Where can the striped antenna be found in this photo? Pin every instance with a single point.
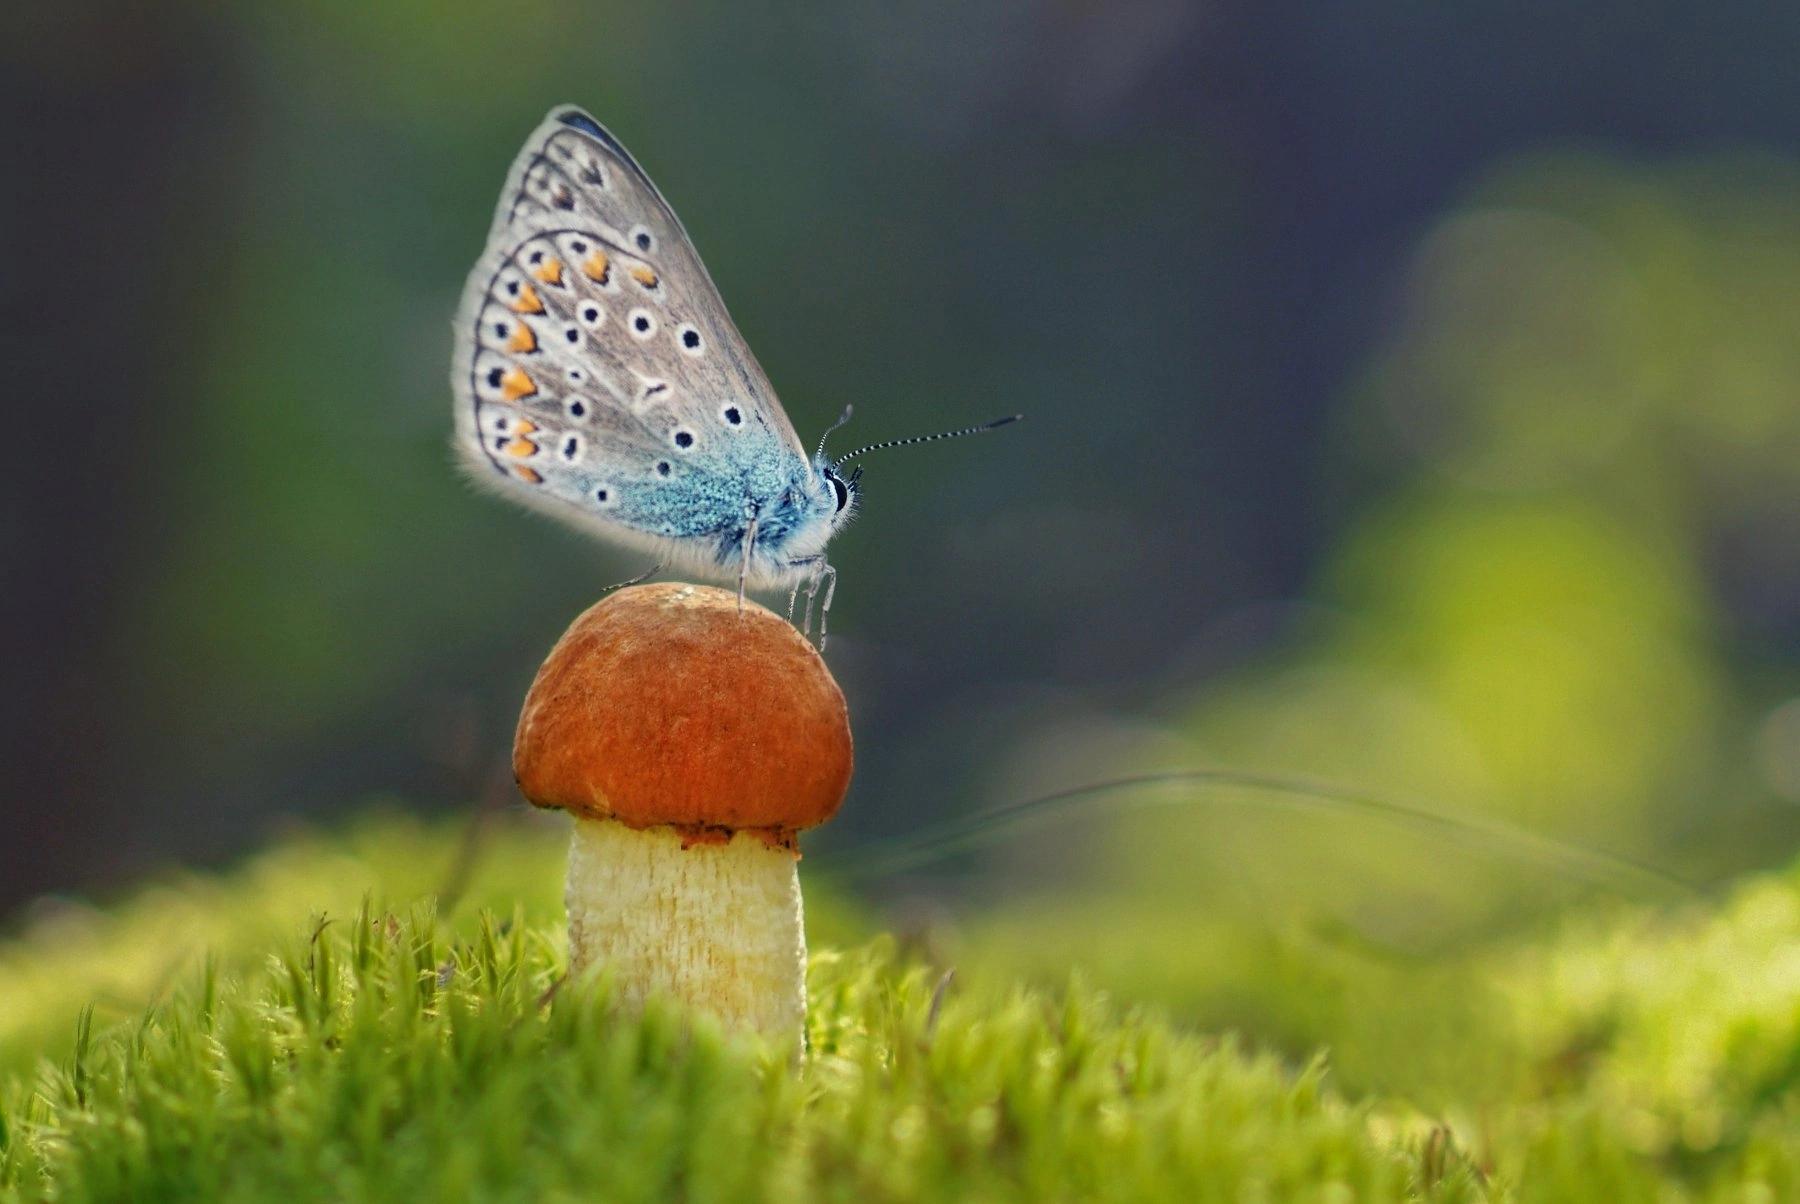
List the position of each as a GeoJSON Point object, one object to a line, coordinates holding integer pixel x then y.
{"type": "Point", "coordinates": [842, 419]}
{"type": "Point", "coordinates": [967, 430]}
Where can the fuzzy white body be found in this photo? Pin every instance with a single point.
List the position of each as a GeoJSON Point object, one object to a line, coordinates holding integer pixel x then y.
{"type": "Point", "coordinates": [718, 927]}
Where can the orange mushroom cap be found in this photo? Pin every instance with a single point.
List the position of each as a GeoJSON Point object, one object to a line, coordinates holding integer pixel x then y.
{"type": "Point", "coordinates": [667, 704]}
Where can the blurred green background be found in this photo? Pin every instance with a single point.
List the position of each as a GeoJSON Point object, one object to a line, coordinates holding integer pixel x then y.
{"type": "Point", "coordinates": [1413, 396]}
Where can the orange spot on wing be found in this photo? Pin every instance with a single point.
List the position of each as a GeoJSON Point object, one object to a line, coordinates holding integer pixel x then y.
{"type": "Point", "coordinates": [644, 276]}
{"type": "Point", "coordinates": [528, 475]}
{"type": "Point", "coordinates": [515, 384]}
{"type": "Point", "coordinates": [550, 272]}
{"type": "Point", "coordinates": [524, 426]}
{"type": "Point", "coordinates": [523, 338]}
{"type": "Point", "coordinates": [597, 267]}
{"type": "Point", "coordinates": [521, 449]}
{"type": "Point", "coordinates": [529, 302]}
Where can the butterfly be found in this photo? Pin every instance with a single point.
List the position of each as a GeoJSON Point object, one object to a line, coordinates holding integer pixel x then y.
{"type": "Point", "coordinates": [598, 377]}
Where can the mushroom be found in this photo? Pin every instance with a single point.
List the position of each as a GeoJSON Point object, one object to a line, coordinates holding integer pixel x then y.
{"type": "Point", "coordinates": [691, 737]}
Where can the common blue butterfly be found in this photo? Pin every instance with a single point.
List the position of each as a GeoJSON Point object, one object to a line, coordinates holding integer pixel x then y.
{"type": "Point", "coordinates": [598, 377]}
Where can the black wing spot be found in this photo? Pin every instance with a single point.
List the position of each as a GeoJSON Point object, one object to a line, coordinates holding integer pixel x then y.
{"type": "Point", "coordinates": [684, 439]}
{"type": "Point", "coordinates": [577, 410]}
{"type": "Point", "coordinates": [601, 495]}
{"type": "Point", "coordinates": [733, 415]}
{"type": "Point", "coordinates": [494, 375]}
{"type": "Point", "coordinates": [572, 334]}
{"type": "Point", "coordinates": [644, 241]}
{"type": "Point", "coordinates": [663, 468]}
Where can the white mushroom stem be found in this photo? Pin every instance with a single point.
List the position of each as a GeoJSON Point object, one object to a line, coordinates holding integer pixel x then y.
{"type": "Point", "coordinates": [716, 926]}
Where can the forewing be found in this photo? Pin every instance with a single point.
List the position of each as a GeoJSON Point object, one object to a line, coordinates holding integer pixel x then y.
{"type": "Point", "coordinates": [592, 347]}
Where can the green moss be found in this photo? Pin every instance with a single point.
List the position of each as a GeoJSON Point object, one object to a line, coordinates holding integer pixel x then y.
{"type": "Point", "coordinates": [202, 1041]}
{"type": "Point", "coordinates": [383, 1057]}
{"type": "Point", "coordinates": [1628, 1054]}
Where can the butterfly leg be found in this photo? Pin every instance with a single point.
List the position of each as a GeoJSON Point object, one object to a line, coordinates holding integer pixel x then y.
{"type": "Point", "coordinates": [826, 576]}
{"type": "Point", "coordinates": [812, 592]}
{"type": "Point", "coordinates": [794, 594]}
{"type": "Point", "coordinates": [829, 575]}
{"type": "Point", "coordinates": [744, 567]}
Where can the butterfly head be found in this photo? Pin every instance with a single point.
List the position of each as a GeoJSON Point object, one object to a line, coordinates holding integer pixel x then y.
{"type": "Point", "coordinates": [843, 493]}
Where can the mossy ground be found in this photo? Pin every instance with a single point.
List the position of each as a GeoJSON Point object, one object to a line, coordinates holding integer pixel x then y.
{"type": "Point", "coordinates": [207, 1040]}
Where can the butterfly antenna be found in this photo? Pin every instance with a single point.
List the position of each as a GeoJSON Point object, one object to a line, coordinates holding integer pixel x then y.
{"type": "Point", "coordinates": [842, 419]}
{"type": "Point", "coordinates": [967, 430]}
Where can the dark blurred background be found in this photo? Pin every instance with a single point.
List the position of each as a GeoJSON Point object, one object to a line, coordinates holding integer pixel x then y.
{"type": "Point", "coordinates": [1413, 395]}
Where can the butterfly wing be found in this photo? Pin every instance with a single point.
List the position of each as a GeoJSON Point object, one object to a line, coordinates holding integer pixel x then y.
{"type": "Point", "coordinates": [597, 372]}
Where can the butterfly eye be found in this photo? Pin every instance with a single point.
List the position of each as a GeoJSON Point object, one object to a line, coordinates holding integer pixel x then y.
{"type": "Point", "coordinates": [840, 489]}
